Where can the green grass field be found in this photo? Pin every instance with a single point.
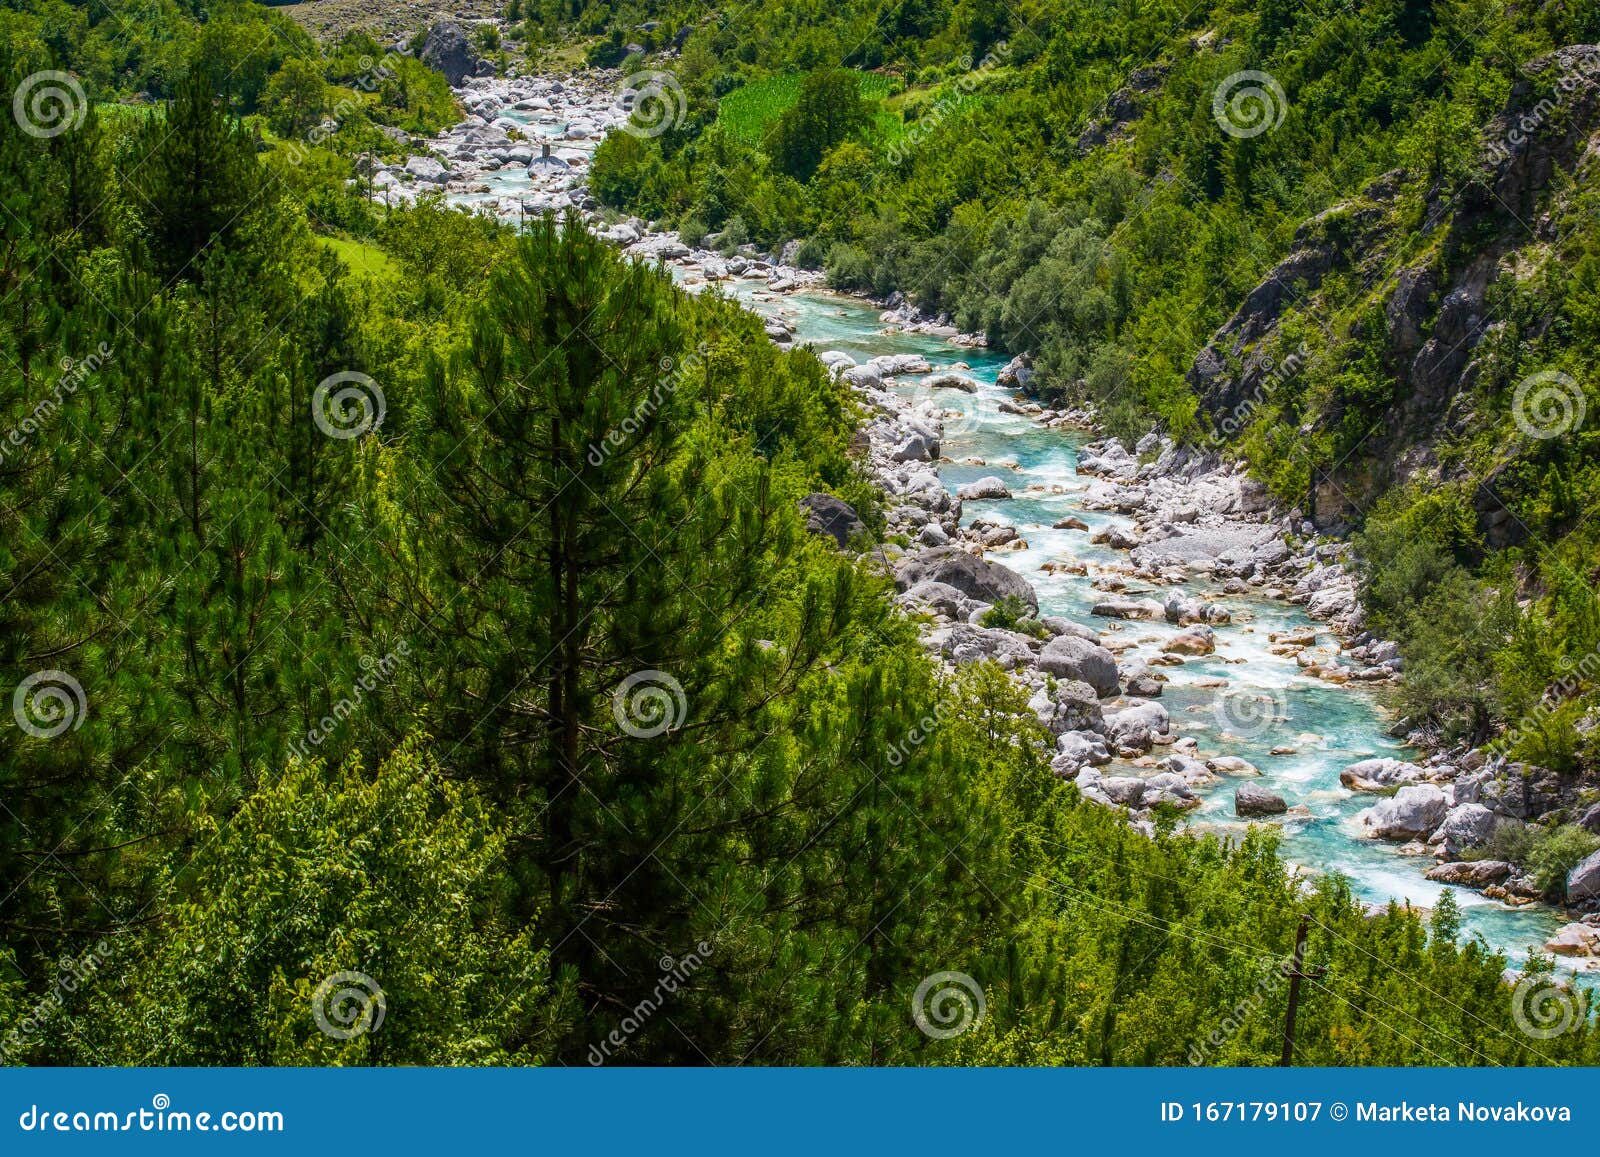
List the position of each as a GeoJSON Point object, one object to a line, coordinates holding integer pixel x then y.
{"type": "Point", "coordinates": [360, 257]}
{"type": "Point", "coordinates": [750, 111]}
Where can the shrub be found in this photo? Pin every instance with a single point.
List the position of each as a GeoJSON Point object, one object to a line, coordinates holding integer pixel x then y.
{"type": "Point", "coordinates": [812, 254]}
{"type": "Point", "coordinates": [849, 267]}
{"type": "Point", "coordinates": [734, 234]}
{"type": "Point", "coordinates": [1005, 614]}
{"type": "Point", "coordinates": [1547, 852]}
{"type": "Point", "coordinates": [692, 231]}
{"type": "Point", "coordinates": [1556, 851]}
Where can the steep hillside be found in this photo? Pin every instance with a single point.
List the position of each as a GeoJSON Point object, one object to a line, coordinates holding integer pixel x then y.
{"type": "Point", "coordinates": [1356, 245]}
{"type": "Point", "coordinates": [1450, 294]}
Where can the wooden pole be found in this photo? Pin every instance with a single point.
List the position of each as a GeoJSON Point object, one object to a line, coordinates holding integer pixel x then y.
{"type": "Point", "coordinates": [1296, 972]}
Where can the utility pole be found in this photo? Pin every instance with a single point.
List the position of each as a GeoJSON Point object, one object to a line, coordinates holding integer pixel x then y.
{"type": "Point", "coordinates": [1296, 972]}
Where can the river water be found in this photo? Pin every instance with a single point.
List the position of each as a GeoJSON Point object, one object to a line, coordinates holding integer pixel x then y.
{"type": "Point", "coordinates": [1327, 727]}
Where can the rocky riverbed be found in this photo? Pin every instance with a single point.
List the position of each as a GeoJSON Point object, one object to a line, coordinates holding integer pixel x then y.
{"type": "Point", "coordinates": [1184, 553]}
{"type": "Point", "coordinates": [1192, 516]}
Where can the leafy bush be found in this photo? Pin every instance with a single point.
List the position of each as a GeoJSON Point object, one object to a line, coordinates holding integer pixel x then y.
{"type": "Point", "coordinates": [849, 267]}
{"type": "Point", "coordinates": [1548, 852]}
{"type": "Point", "coordinates": [692, 232]}
{"type": "Point", "coordinates": [813, 252]}
{"type": "Point", "coordinates": [1007, 613]}
{"type": "Point", "coordinates": [1555, 853]}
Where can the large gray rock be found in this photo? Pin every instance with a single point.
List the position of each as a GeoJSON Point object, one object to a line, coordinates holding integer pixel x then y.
{"type": "Point", "coordinates": [1575, 940]}
{"type": "Point", "coordinates": [1127, 791]}
{"type": "Point", "coordinates": [1583, 882]}
{"type": "Point", "coordinates": [1192, 770]}
{"type": "Point", "coordinates": [427, 169]}
{"type": "Point", "coordinates": [1069, 657]}
{"type": "Point", "coordinates": [986, 487]}
{"type": "Point", "coordinates": [447, 50]}
{"type": "Point", "coordinates": [974, 577]}
{"type": "Point", "coordinates": [1251, 799]}
{"type": "Point", "coordinates": [1471, 873]}
{"type": "Point", "coordinates": [1198, 639]}
{"type": "Point", "coordinates": [1139, 680]}
{"type": "Point", "coordinates": [1522, 791]}
{"type": "Point", "coordinates": [916, 446]}
{"type": "Point", "coordinates": [833, 517]}
{"type": "Point", "coordinates": [1079, 749]}
{"type": "Point", "coordinates": [1135, 729]}
{"type": "Point", "coordinates": [1068, 706]}
{"type": "Point", "coordinates": [1412, 811]}
{"type": "Point", "coordinates": [1468, 825]}
{"type": "Point", "coordinates": [1186, 610]}
{"type": "Point", "coordinates": [1169, 788]}
{"type": "Point", "coordinates": [965, 643]}
{"type": "Point", "coordinates": [940, 598]}
{"type": "Point", "coordinates": [1379, 774]}
{"type": "Point", "coordinates": [1057, 625]}
{"type": "Point", "coordinates": [1197, 544]}
{"type": "Point", "coordinates": [1124, 608]}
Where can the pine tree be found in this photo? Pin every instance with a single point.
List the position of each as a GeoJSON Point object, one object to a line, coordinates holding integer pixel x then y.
{"type": "Point", "coordinates": [194, 178]}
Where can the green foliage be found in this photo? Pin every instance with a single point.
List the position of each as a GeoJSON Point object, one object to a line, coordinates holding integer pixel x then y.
{"type": "Point", "coordinates": [296, 98]}
{"type": "Point", "coordinates": [585, 478]}
{"type": "Point", "coordinates": [195, 174]}
{"type": "Point", "coordinates": [1410, 544]}
{"type": "Point", "coordinates": [1008, 613]}
{"type": "Point", "coordinates": [752, 111]}
{"type": "Point", "coordinates": [849, 268]}
{"type": "Point", "coordinates": [1548, 852]}
{"type": "Point", "coordinates": [391, 877]}
{"type": "Point", "coordinates": [827, 111]}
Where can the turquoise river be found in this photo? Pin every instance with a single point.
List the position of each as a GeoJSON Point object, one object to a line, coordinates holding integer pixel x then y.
{"type": "Point", "coordinates": [1326, 726]}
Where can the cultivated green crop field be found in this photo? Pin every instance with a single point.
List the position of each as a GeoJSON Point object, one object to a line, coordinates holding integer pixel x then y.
{"type": "Point", "coordinates": [750, 111]}
{"type": "Point", "coordinates": [111, 112]}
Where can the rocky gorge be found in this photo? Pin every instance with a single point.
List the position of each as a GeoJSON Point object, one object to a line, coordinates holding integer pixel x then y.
{"type": "Point", "coordinates": [1202, 611]}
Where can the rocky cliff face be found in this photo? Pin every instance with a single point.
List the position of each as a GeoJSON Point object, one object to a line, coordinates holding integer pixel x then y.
{"type": "Point", "coordinates": [1434, 283]}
